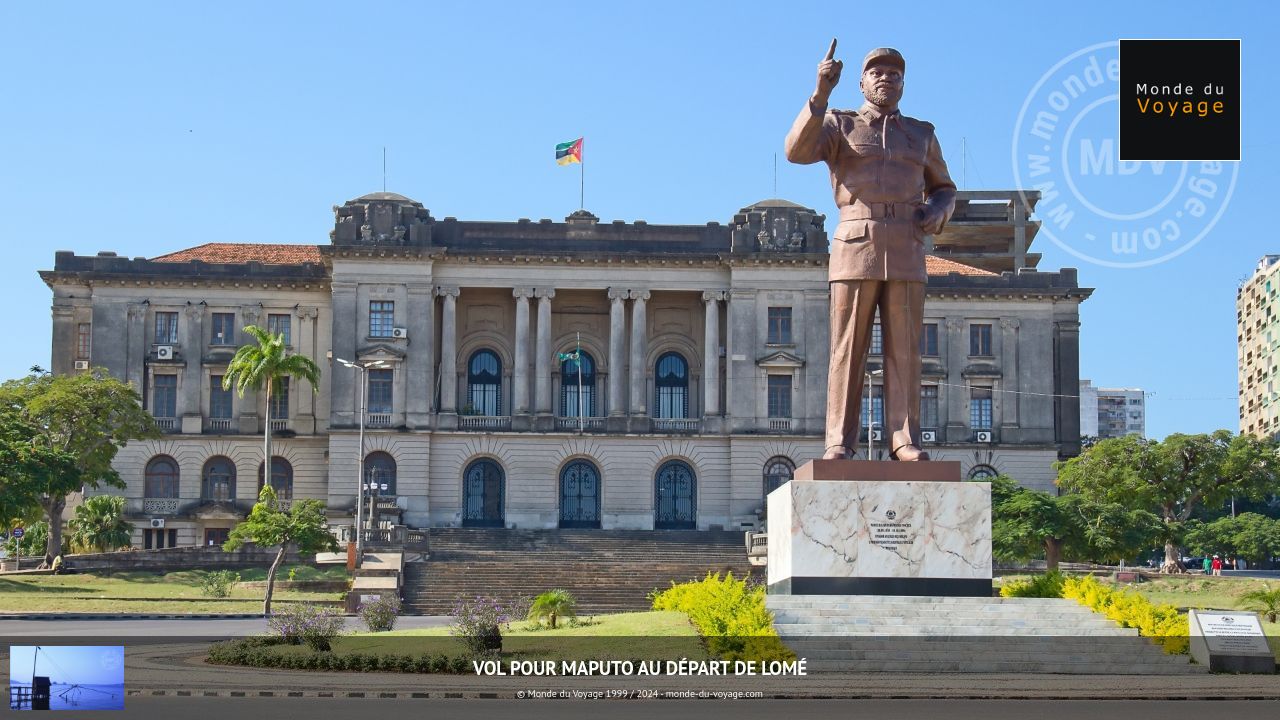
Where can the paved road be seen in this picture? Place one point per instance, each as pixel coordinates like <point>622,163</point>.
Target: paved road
<point>204,627</point>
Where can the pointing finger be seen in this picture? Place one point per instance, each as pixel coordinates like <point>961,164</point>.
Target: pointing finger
<point>831,51</point>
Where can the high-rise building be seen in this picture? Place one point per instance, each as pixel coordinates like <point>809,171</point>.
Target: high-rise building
<point>1112,412</point>
<point>1257,338</point>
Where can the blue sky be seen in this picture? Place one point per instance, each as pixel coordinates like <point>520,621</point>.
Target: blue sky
<point>78,665</point>
<point>145,128</point>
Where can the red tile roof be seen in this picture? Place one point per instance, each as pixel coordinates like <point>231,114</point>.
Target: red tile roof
<point>266,253</point>
<point>934,265</point>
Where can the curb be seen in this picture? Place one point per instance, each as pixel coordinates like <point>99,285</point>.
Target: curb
<point>129,616</point>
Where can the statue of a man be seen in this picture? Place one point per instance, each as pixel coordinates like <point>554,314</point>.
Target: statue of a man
<point>892,187</point>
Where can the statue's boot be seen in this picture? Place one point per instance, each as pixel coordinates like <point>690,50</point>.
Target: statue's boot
<point>909,453</point>
<point>837,452</point>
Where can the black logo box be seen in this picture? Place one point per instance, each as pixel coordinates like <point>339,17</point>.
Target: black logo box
<point>1160,77</point>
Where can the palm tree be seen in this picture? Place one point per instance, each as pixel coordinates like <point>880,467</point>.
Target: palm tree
<point>99,525</point>
<point>261,366</point>
<point>552,605</point>
<point>1265,601</point>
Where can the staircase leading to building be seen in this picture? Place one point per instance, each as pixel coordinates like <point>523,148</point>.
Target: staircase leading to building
<point>606,570</point>
<point>859,633</point>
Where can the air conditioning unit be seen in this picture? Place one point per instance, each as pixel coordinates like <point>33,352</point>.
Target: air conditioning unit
<point>984,436</point>
<point>164,352</point>
<point>929,436</point>
<point>157,522</point>
<point>82,364</point>
<point>401,333</point>
<point>877,435</point>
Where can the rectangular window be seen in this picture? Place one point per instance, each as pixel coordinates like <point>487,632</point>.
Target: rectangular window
<point>278,324</point>
<point>929,340</point>
<point>166,328</point>
<point>84,335</point>
<point>980,339</point>
<point>877,339</point>
<point>380,391</point>
<point>980,408</point>
<point>381,318</point>
<point>164,396</point>
<point>224,329</point>
<point>779,326</point>
<point>280,399</point>
<point>928,406</point>
<point>873,407</point>
<point>779,396</point>
<point>219,399</point>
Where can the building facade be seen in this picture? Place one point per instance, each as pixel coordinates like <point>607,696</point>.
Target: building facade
<point>1257,340</point>
<point>1112,412</point>
<point>546,374</point>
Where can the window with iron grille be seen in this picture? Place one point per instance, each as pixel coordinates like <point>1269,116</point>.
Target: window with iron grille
<point>484,383</point>
<point>381,318</point>
<point>160,479</point>
<point>164,396</point>
<point>224,329</point>
<point>779,396</point>
<point>929,406</point>
<point>578,375</point>
<point>219,483</point>
<point>278,324</point>
<point>166,328</point>
<point>219,399</point>
<point>84,335</point>
<point>980,339</point>
<point>778,471</point>
<point>779,325</point>
<point>929,339</point>
<point>380,391</point>
<point>672,385</point>
<point>980,408</point>
<point>280,399</point>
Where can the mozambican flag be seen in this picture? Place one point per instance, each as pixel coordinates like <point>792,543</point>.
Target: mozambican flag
<point>569,152</point>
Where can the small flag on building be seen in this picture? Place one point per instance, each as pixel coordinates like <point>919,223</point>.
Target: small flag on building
<point>565,357</point>
<point>569,152</point>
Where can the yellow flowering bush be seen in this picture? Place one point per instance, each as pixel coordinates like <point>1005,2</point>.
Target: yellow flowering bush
<point>1162,623</point>
<point>729,614</point>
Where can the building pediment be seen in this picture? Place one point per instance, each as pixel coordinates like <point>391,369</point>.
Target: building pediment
<point>380,351</point>
<point>932,369</point>
<point>981,370</point>
<point>214,510</point>
<point>781,360</point>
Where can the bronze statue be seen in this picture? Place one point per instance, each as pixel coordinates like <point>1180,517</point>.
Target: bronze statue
<point>892,188</point>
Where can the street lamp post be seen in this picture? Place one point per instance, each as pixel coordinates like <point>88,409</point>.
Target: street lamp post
<point>361,371</point>
<point>871,415</point>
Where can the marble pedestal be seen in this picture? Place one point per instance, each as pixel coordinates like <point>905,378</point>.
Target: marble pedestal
<point>922,533</point>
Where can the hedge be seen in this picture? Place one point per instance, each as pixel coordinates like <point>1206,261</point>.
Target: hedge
<point>1163,623</point>
<point>729,615</point>
<point>259,652</point>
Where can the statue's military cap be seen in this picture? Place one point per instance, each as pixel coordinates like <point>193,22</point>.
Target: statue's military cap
<point>884,55</point>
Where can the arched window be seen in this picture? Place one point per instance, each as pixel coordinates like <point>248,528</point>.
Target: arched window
<point>982,472</point>
<point>571,380</point>
<point>380,468</point>
<point>161,478</point>
<point>778,471</point>
<point>482,495</point>
<point>484,383</point>
<point>281,478</point>
<point>672,383</point>
<point>675,497</point>
<point>580,495</point>
<point>219,480</point>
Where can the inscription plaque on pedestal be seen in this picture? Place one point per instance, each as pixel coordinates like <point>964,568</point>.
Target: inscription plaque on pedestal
<point>1230,642</point>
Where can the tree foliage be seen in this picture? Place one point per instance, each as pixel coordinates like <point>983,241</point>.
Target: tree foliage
<point>64,431</point>
<point>302,525</point>
<point>99,525</point>
<point>261,366</point>
<point>1254,537</point>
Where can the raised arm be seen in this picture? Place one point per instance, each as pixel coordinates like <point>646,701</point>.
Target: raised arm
<point>812,138</point>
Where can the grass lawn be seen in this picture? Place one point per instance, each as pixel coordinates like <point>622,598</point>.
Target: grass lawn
<point>624,636</point>
<point>1210,593</point>
<point>142,591</point>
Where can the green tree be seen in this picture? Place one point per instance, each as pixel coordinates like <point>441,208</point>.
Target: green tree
<point>1265,601</point>
<point>1254,537</point>
<point>36,535</point>
<point>552,605</point>
<point>99,525</point>
<point>76,425</point>
<point>1171,478</point>
<point>1027,523</point>
<point>261,366</point>
<point>302,526</point>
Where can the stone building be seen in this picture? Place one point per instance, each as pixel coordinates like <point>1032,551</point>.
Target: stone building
<point>1257,341</point>
<point>699,385</point>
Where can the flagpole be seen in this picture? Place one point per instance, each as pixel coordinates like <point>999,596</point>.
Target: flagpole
<point>582,183</point>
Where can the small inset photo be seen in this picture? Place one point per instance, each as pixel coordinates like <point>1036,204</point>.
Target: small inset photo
<point>66,677</point>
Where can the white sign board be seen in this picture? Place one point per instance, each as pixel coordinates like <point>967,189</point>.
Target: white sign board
<point>1231,641</point>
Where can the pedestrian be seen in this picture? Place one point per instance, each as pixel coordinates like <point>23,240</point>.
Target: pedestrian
<point>1216,565</point>
<point>1208,562</point>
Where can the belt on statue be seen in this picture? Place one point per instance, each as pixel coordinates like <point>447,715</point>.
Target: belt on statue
<point>874,211</point>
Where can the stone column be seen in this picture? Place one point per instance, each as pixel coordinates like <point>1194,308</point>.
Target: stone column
<point>956,351</point>
<point>1008,401</point>
<point>64,339</point>
<point>711,353</point>
<point>449,357</point>
<point>639,405</point>
<point>139,347</point>
<point>1066,386</point>
<point>306,342</point>
<point>343,388</point>
<point>542,357</point>
<point>248,405</point>
<point>192,370</point>
<point>419,366</point>
<point>617,341</point>
<point>520,372</point>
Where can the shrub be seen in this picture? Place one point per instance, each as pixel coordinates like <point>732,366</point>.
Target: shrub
<point>552,605</point>
<point>258,652</point>
<point>729,614</point>
<point>218,584</point>
<point>314,625</point>
<point>1048,585</point>
<point>380,615</point>
<point>478,624</point>
<point>1162,623</point>
<point>1265,601</point>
